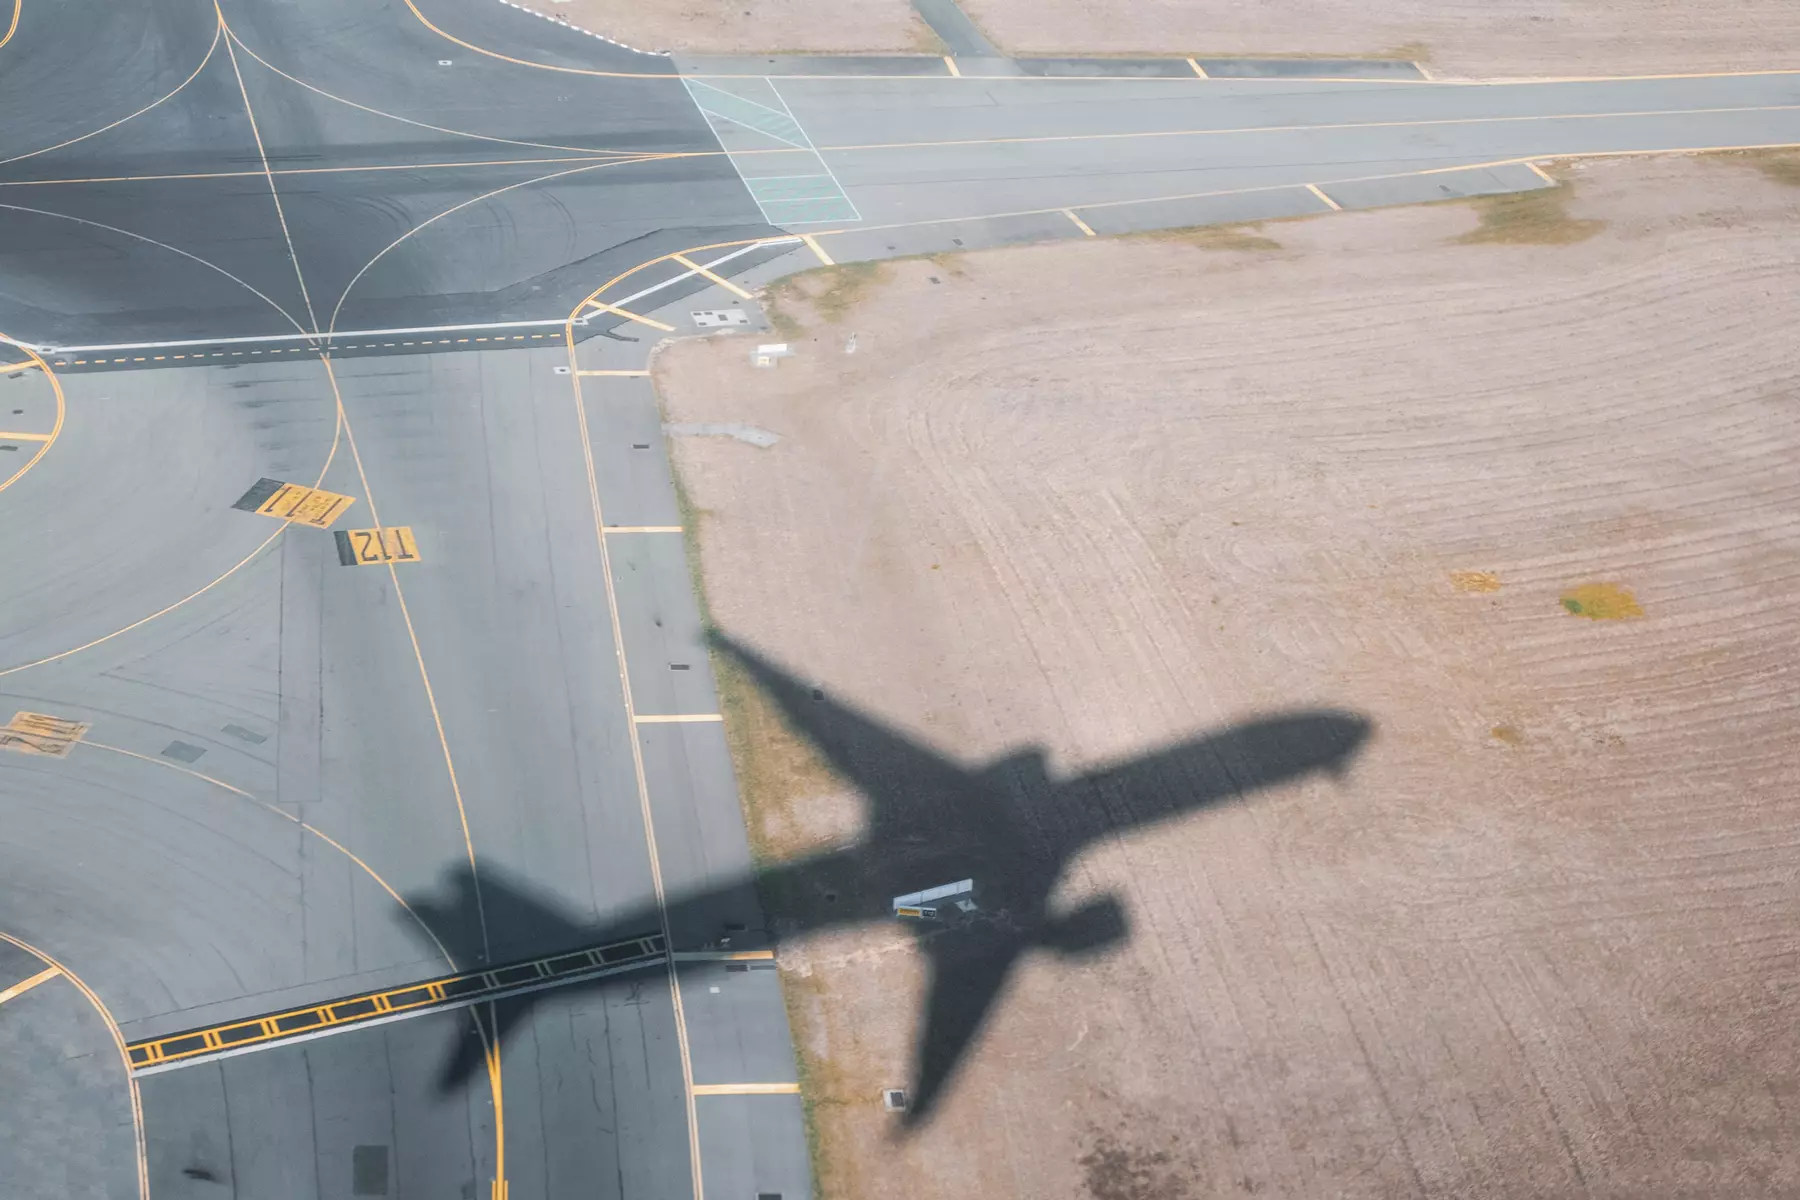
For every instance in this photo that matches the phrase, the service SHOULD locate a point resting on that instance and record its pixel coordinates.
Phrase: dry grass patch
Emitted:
(1220, 237)
(1539, 218)
(1781, 166)
(828, 293)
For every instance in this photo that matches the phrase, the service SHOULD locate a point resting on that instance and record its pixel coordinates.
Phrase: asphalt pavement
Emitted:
(337, 247)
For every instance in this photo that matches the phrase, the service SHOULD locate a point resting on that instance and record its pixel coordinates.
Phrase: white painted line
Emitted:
(809, 145)
(678, 718)
(674, 279)
(294, 337)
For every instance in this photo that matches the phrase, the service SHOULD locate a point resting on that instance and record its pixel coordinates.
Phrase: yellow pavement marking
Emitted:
(372, 1006)
(1541, 173)
(813, 245)
(206, 58)
(675, 718)
(274, 194)
(35, 733)
(724, 956)
(112, 1027)
(619, 312)
(951, 63)
(1079, 223)
(701, 271)
(24, 437)
(746, 1089)
(1422, 123)
(592, 159)
(308, 506)
(366, 547)
(1202, 74)
(44, 976)
(16, 366)
(643, 529)
(1421, 69)
(480, 137)
(1314, 189)
(44, 446)
(584, 374)
(18, 6)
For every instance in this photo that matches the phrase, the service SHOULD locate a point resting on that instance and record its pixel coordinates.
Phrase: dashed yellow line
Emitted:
(44, 976)
(701, 271)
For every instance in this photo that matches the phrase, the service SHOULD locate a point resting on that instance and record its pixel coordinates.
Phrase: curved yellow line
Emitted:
(112, 1027)
(55, 430)
(331, 325)
(18, 7)
(485, 137)
(140, 112)
(286, 816)
(336, 435)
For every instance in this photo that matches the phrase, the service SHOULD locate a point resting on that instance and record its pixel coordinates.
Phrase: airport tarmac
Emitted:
(278, 274)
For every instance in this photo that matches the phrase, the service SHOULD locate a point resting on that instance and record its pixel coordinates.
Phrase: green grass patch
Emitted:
(825, 293)
(1537, 218)
(1218, 237)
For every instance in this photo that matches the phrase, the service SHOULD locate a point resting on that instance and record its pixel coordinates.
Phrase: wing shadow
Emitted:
(1008, 825)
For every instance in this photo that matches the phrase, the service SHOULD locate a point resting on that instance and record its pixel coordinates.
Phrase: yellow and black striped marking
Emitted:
(367, 547)
(294, 502)
(35, 733)
(451, 991)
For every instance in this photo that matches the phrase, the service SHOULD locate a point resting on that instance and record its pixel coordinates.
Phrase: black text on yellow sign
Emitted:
(35, 733)
(367, 547)
(295, 502)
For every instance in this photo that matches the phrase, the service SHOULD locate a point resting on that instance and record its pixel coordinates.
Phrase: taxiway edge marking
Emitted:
(118, 1037)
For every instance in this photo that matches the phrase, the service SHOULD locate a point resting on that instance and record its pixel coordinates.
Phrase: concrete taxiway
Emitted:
(413, 261)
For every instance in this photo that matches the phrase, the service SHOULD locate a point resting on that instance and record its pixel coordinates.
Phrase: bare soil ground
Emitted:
(1457, 37)
(1519, 489)
(753, 26)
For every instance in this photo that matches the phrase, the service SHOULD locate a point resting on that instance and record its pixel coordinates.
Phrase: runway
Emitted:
(340, 248)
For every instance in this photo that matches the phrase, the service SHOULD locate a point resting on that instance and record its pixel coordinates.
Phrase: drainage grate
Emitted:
(894, 1099)
(182, 752)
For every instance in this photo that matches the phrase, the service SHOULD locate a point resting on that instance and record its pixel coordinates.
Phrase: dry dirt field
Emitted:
(747, 26)
(1457, 37)
(1526, 499)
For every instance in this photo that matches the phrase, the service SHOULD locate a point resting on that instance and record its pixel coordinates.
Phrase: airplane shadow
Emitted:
(1008, 825)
